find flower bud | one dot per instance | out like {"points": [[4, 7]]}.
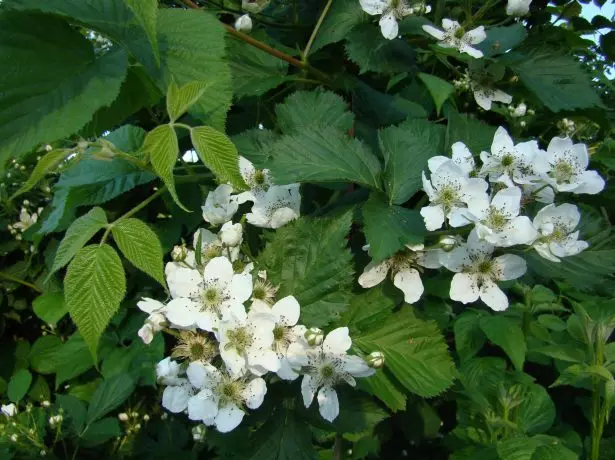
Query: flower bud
{"points": [[449, 242], [198, 433], [314, 336], [244, 23], [55, 420], [146, 417], [45, 404], [375, 360], [9, 410], [179, 253], [122, 417], [231, 234]]}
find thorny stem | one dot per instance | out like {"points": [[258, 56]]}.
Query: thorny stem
{"points": [[266, 48], [19, 281], [306, 52]]}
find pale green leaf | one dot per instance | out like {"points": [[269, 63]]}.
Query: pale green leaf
{"points": [[109, 395], [94, 286], [439, 89], [305, 109], [181, 99], [469, 338], [308, 259], [71, 82], [141, 246], [219, 154], [415, 353], [146, 12], [388, 227], [161, 146], [507, 334], [50, 307], [79, 233], [18, 385], [45, 165], [323, 155], [406, 149]]}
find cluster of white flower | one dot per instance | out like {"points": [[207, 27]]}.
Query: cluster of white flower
{"points": [[491, 198], [232, 331], [392, 11], [26, 220], [273, 205]]}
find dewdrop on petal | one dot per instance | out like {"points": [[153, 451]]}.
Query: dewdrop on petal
{"points": [[375, 360], [314, 336]]}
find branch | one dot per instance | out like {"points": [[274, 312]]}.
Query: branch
{"points": [[14, 279]]}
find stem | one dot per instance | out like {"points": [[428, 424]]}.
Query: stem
{"points": [[338, 447], [306, 52], [598, 407], [19, 281]]}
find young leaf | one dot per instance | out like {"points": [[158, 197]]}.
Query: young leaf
{"points": [[308, 259], [109, 395], [388, 227], [50, 307], [406, 149], [181, 99], [162, 147], [19, 384], [141, 246], [323, 154], [77, 235], [146, 12], [219, 154], [46, 164], [305, 109], [439, 89], [94, 287], [507, 334]]}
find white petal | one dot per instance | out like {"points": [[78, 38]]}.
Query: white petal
{"points": [[203, 407], [148, 305], [434, 32], [235, 363], [520, 231], [435, 162], [175, 398], [463, 157], [475, 53], [337, 341], [388, 26], [511, 266], [146, 333], [241, 287], [475, 36], [544, 250], [207, 320], [182, 281], [246, 169], [282, 216], [228, 418], [287, 311], [449, 25], [297, 355], [493, 296], [482, 98], [374, 274], [356, 366], [262, 361], [254, 393], [309, 385], [409, 282], [591, 183], [501, 96], [203, 375], [508, 200], [433, 217], [464, 288], [460, 217], [286, 372], [328, 403], [218, 271], [373, 7], [181, 312]]}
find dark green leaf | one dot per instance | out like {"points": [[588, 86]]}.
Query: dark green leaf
{"points": [[469, 338], [109, 395], [343, 16], [475, 134], [502, 39], [313, 109], [18, 385], [507, 334], [101, 431]]}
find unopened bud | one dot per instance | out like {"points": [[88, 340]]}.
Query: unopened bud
{"points": [[45, 404], [244, 23], [375, 359], [146, 418], [179, 253], [122, 417], [449, 242], [314, 336]]}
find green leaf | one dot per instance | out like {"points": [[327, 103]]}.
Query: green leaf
{"points": [[79, 233], [406, 149], [388, 227], [141, 246], [536, 413], [439, 89], [146, 12], [475, 134], [94, 286], [219, 154], [563, 352], [555, 79], [343, 16], [101, 431], [553, 322], [507, 334], [19, 384], [254, 71], [415, 353], [366, 47], [469, 338], [50, 307], [74, 412], [520, 448], [309, 260], [502, 39], [45, 165], [109, 395], [386, 388], [181, 99], [71, 82], [323, 155], [161, 145], [254, 144], [368, 310], [312, 109], [43, 352]]}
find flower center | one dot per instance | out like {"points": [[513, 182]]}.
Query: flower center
{"points": [[212, 251], [459, 33], [259, 177], [229, 392], [278, 333], [210, 298], [563, 171], [508, 160], [484, 267], [240, 339], [496, 219], [327, 372]]}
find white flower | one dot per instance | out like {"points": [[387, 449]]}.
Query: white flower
{"points": [[455, 36], [461, 156], [565, 164], [167, 372], [508, 163], [257, 179], [190, 156], [556, 226], [244, 23], [279, 205], [55, 420], [449, 190], [175, 398], [26, 220], [231, 234], [212, 246], [518, 8], [155, 322], [518, 111], [498, 221], [9, 410], [477, 273], [222, 397], [540, 191], [403, 267], [201, 300], [484, 96], [246, 341], [391, 11], [325, 367], [286, 312], [220, 206]]}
